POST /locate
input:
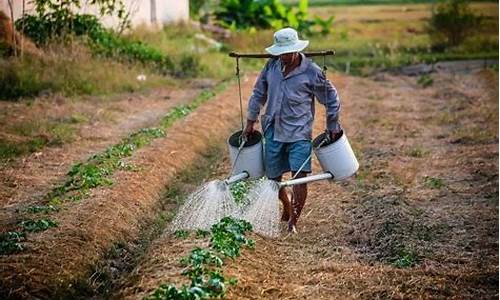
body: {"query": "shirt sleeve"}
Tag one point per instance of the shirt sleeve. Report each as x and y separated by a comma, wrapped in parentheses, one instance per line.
(327, 95)
(259, 95)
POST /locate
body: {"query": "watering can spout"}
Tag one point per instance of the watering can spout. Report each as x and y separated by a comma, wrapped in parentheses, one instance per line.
(237, 177)
(307, 179)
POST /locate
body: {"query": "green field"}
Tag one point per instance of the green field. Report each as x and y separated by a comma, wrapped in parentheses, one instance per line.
(366, 2)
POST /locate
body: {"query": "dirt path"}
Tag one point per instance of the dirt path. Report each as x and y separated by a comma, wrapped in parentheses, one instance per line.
(31, 177)
(420, 220)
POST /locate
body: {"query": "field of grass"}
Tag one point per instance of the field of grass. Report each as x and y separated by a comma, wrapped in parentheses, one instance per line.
(371, 37)
(363, 2)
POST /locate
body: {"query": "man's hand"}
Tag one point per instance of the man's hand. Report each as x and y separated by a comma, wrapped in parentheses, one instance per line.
(248, 130)
(335, 135)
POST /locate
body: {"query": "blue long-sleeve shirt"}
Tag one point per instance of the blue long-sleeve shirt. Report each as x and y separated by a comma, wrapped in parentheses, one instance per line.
(290, 100)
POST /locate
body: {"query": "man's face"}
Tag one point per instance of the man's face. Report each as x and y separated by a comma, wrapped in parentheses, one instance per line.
(287, 58)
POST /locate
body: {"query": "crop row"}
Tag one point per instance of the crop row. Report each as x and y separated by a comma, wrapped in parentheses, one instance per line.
(203, 266)
(95, 172)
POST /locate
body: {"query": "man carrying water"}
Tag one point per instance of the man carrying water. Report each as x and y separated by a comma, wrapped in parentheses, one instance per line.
(288, 85)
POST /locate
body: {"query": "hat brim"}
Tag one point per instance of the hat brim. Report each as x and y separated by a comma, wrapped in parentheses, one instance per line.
(278, 50)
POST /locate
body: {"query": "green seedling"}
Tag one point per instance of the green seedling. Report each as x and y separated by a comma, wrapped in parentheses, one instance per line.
(202, 233)
(434, 182)
(37, 225)
(405, 259)
(35, 209)
(182, 234)
(10, 242)
(425, 81)
(239, 191)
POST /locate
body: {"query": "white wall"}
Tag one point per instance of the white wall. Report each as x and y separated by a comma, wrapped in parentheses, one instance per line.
(167, 11)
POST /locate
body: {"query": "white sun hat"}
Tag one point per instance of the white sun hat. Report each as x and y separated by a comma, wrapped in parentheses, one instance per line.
(286, 40)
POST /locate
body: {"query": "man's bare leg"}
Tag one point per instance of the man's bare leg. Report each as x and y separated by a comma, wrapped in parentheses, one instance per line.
(298, 202)
(287, 207)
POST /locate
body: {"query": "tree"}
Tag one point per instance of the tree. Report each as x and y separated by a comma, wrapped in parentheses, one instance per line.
(452, 20)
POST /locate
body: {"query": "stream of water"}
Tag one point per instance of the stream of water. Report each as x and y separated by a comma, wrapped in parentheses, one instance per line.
(262, 208)
(205, 207)
(213, 201)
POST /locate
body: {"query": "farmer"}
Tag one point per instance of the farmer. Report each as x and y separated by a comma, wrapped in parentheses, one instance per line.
(288, 84)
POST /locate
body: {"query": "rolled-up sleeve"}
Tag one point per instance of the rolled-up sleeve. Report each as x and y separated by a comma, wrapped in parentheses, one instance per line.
(327, 95)
(259, 96)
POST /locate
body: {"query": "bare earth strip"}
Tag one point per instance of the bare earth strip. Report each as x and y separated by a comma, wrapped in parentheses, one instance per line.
(61, 256)
(420, 220)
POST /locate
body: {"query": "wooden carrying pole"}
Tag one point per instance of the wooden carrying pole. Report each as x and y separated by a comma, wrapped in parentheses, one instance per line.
(264, 55)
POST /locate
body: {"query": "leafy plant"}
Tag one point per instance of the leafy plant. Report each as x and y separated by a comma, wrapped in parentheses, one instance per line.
(417, 151)
(246, 14)
(200, 233)
(102, 41)
(182, 234)
(10, 242)
(41, 209)
(56, 18)
(239, 190)
(405, 259)
(433, 182)
(425, 81)
(228, 235)
(37, 225)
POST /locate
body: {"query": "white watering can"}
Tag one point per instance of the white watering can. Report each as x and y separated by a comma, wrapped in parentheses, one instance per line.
(336, 159)
(246, 156)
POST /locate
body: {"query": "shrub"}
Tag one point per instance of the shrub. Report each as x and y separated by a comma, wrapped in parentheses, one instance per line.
(246, 14)
(452, 20)
(16, 82)
(102, 41)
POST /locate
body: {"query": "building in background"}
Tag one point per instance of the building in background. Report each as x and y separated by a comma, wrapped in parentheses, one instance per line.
(142, 12)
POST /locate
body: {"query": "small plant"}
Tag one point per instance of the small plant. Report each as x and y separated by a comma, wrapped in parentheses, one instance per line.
(425, 81)
(37, 225)
(10, 242)
(35, 209)
(433, 182)
(182, 234)
(417, 152)
(405, 259)
(200, 233)
(239, 191)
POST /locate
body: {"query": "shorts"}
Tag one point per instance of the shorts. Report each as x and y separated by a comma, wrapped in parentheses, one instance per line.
(282, 157)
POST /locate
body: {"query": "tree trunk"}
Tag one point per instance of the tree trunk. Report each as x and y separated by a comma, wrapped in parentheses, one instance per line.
(21, 36)
(153, 11)
(14, 44)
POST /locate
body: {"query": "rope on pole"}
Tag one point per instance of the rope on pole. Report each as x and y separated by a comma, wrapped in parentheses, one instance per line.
(239, 91)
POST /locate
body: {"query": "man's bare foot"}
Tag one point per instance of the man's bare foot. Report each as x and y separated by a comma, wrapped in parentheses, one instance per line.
(285, 216)
(292, 228)
(287, 206)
